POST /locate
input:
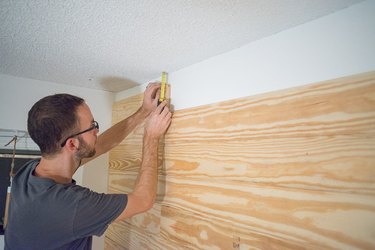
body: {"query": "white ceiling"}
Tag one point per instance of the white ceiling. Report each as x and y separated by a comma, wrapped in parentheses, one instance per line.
(115, 45)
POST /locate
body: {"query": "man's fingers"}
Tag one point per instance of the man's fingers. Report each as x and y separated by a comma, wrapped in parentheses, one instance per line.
(151, 89)
(153, 86)
(155, 92)
(165, 111)
(156, 97)
(161, 106)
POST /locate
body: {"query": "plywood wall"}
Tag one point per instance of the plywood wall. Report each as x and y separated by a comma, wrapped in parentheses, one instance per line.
(292, 169)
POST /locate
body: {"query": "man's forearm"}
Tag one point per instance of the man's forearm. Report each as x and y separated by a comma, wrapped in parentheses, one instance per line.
(143, 196)
(146, 183)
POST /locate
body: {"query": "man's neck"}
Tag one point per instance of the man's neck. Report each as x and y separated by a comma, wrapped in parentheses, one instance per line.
(58, 168)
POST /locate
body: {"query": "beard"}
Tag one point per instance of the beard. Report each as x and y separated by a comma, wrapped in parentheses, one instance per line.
(85, 150)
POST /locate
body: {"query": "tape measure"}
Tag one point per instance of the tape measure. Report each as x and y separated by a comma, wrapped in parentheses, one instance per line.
(162, 89)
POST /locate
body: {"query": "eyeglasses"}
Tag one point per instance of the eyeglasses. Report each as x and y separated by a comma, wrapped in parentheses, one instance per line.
(95, 125)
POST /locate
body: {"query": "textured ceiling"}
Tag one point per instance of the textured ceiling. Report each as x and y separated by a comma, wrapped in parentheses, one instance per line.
(115, 45)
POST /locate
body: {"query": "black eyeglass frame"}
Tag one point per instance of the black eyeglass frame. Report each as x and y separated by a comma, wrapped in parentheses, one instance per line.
(95, 125)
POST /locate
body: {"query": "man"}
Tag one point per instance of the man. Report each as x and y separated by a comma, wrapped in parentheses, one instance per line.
(47, 209)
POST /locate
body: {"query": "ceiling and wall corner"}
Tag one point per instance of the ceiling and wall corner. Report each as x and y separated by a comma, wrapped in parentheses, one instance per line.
(117, 45)
(333, 46)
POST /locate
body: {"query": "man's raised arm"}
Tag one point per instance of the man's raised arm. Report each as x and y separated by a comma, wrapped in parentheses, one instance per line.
(118, 132)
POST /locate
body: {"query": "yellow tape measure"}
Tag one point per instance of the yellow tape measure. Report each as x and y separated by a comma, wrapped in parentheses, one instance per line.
(162, 89)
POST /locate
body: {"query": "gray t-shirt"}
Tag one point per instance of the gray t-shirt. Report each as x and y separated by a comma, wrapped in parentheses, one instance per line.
(46, 215)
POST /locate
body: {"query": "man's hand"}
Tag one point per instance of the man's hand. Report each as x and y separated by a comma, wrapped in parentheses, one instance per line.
(150, 97)
(158, 121)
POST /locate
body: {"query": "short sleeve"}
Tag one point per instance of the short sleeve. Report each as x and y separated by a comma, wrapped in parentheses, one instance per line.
(96, 211)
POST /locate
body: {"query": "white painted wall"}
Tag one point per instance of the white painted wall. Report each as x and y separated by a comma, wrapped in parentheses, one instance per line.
(333, 46)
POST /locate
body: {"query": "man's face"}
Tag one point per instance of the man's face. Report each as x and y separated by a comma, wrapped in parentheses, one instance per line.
(85, 150)
(87, 141)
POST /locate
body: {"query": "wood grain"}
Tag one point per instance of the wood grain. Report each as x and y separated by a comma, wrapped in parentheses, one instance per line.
(291, 169)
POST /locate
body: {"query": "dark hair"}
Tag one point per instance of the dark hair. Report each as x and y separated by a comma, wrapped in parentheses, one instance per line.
(51, 119)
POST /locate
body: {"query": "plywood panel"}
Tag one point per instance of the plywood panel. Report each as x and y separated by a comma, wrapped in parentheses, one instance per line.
(292, 169)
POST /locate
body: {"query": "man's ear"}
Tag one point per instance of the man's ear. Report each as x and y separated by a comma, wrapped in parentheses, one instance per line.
(72, 144)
